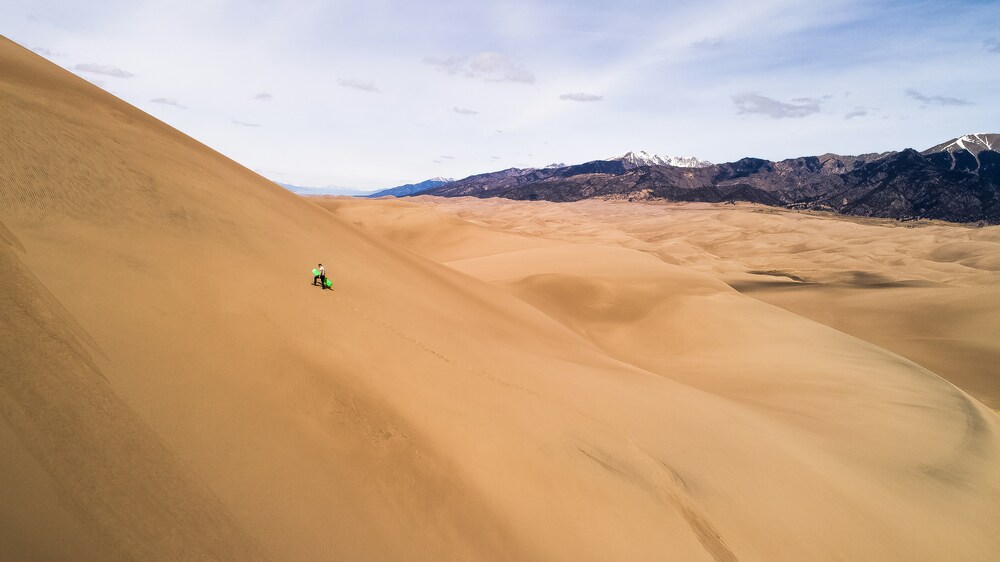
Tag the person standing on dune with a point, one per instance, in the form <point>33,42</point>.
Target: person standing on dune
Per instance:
<point>321,277</point>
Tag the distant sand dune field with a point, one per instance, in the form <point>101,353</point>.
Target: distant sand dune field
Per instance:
<point>488,380</point>
<point>928,291</point>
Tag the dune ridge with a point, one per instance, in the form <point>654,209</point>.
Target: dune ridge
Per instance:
<point>172,386</point>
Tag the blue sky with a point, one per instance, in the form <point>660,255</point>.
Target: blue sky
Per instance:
<point>381,93</point>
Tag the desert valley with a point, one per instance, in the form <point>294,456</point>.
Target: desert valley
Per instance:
<point>489,379</point>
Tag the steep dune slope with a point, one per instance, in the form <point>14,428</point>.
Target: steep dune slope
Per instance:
<point>171,386</point>
<point>190,275</point>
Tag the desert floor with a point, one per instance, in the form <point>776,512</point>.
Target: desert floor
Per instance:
<point>487,380</point>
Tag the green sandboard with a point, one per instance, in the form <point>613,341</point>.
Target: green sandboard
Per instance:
<point>315,272</point>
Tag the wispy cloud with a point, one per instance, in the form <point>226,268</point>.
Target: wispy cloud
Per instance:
<point>992,45</point>
<point>167,101</point>
<point>935,100</point>
<point>580,96</point>
<point>105,69</point>
<point>708,43</point>
<point>464,111</point>
<point>244,123</point>
<point>47,53</point>
<point>494,157</point>
<point>856,112</point>
<point>775,109</point>
<point>446,157</point>
<point>263,96</point>
<point>490,66</point>
<point>363,85</point>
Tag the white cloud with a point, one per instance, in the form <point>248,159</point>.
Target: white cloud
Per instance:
<point>47,53</point>
<point>935,100</point>
<point>856,112</point>
<point>580,96</point>
<point>756,103</point>
<point>363,85</point>
<point>105,69</point>
<point>464,111</point>
<point>167,101</point>
<point>244,123</point>
<point>708,43</point>
<point>490,66</point>
<point>263,96</point>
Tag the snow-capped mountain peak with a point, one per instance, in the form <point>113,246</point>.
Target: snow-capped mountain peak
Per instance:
<point>685,162</point>
<point>634,159</point>
<point>974,143</point>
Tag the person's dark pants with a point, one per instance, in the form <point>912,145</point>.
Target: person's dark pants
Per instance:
<point>315,279</point>
<point>322,281</point>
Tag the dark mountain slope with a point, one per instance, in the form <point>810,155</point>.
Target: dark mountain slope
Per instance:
<point>960,182</point>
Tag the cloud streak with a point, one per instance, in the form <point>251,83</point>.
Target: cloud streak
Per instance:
<point>775,109</point>
<point>105,69</point>
<point>490,66</point>
<point>707,43</point>
<point>580,96</point>
<point>244,123</point>
<point>992,45</point>
<point>464,111</point>
<point>167,101</point>
<point>263,96</point>
<point>856,112</point>
<point>363,85</point>
<point>47,53</point>
<point>935,100</point>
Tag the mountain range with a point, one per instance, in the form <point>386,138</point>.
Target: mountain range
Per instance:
<point>411,188</point>
<point>957,180</point>
<point>398,191</point>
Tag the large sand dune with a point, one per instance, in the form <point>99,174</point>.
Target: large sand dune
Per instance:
<point>172,386</point>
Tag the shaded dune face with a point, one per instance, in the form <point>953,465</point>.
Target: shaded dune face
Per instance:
<point>482,382</point>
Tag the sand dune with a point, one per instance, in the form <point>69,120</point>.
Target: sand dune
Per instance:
<point>928,291</point>
<point>486,381</point>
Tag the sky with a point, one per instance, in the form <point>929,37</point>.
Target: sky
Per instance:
<point>376,94</point>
